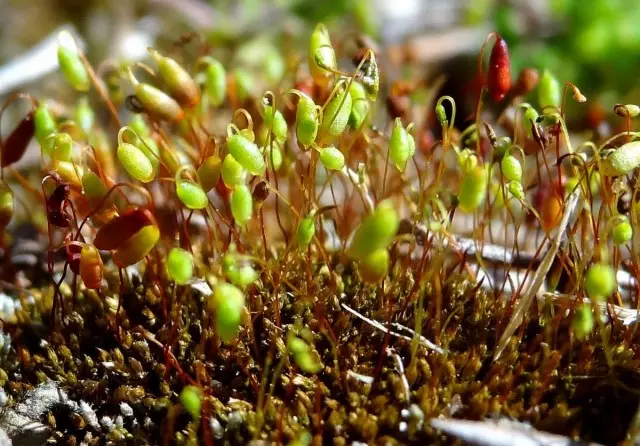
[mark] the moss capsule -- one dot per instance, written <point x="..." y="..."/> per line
<point x="62" y="149"/>
<point x="232" y="172"/>
<point x="93" y="187"/>
<point x="373" y="268"/>
<point x="228" y="303"/>
<point x="304" y="233"/>
<point x="375" y="232"/>
<point x="275" y="121"/>
<point x="549" y="91"/>
<point x="158" y="104"/>
<point x="215" y="82"/>
<point x="118" y="230"/>
<point x="499" y="75"/>
<point x="70" y="63"/>
<point x="627" y="110"/>
<point x="274" y="156"/>
<point x="307" y="121"/>
<point x="473" y="189"/>
<point x="84" y="114"/>
<point x="530" y="118"/>
<point x="247" y="154"/>
<point x="70" y="173"/>
<point x="303" y="355"/>
<point x="550" y="209"/>
<point x="15" y="144"/>
<point x="241" y="204"/>
<point x="622" y="160"/>
<point x="622" y="232"/>
<point x="600" y="281"/>
<point x="511" y="168"/>
<point x="137" y="246"/>
<point x="515" y="188"/>
<point x="191" y="400"/>
<point x="400" y="148"/>
<point x="135" y="162"/>
<point x="178" y="82"/>
<point x="336" y="113"/>
<point x="6" y="205"/>
<point x="91" y="267"/>
<point x="242" y="276"/>
<point x="244" y="84"/>
<point x="209" y="172"/>
<point x="180" y="265"/>
<point x="191" y="194"/>
<point x="582" y="324"/>
<point x="360" y="108"/>
<point x="331" y="158"/>
<point x="45" y="124"/>
<point x="322" y="57"/>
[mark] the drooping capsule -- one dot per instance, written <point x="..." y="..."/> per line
<point x="322" y="57"/>
<point x="233" y="174"/>
<point x="401" y="148"/>
<point x="117" y="231"/>
<point x="304" y="233"/>
<point x="375" y="232"/>
<point x="137" y="246"/>
<point x="228" y="302"/>
<point x="549" y="91"/>
<point x="373" y="268"/>
<point x="473" y="189"/>
<point x="44" y="123"/>
<point x="622" y="160"/>
<point x="331" y="158"/>
<point x="180" y="265"/>
<point x="274" y="121"/>
<point x="215" y="82"/>
<point x="135" y="162"/>
<point x="360" y="107"/>
<point x="15" y="145"/>
<point x="241" y="204"/>
<point x="336" y="113"/>
<point x="307" y="121"/>
<point x="91" y="267"/>
<point x="209" y="172"/>
<point x="247" y="154"/>
<point x="499" y="75"/>
<point x="70" y="63"/>
<point x="191" y="194"/>
<point x="155" y="102"/>
<point x="177" y="80"/>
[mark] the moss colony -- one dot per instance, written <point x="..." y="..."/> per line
<point x="287" y="254"/>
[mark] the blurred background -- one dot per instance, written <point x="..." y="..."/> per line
<point x="594" y="43"/>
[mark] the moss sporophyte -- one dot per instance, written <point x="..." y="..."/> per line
<point x="258" y="242"/>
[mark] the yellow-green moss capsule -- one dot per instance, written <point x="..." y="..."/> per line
<point x="549" y="91"/>
<point x="93" y="187"/>
<point x="530" y="118"/>
<point x="331" y="158"/>
<point x="242" y="276"/>
<point x="84" y="115"/>
<point x="400" y="148"/>
<point x="600" y="281"/>
<point x="276" y="123"/>
<point x="360" y="108"/>
<point x="303" y="355"/>
<point x="304" y="233"/>
<point x="209" y="172"/>
<point x="158" y="104"/>
<point x="375" y="232"/>
<point x="180" y="265"/>
<point x="241" y="204"/>
<point x="178" y="82"/>
<point x="44" y="123"/>
<point x="135" y="162"/>
<point x="232" y="172"/>
<point x="62" y="147"/>
<point x="321" y="56"/>
<point x="336" y="113"/>
<point x="622" y="232"/>
<point x="511" y="168"/>
<point x="6" y="205"/>
<point x="137" y="246"/>
<point x="516" y="189"/>
<point x="473" y="189"/>
<point x="191" y="194"/>
<point x="274" y="156"/>
<point x="244" y="84"/>
<point x="215" y="82"/>
<point x="70" y="63"/>
<point x="247" y="154"/>
<point x="622" y="160"/>
<point x="373" y="268"/>
<point x="582" y="324"/>
<point x="307" y="121"/>
<point x="191" y="400"/>
<point x="228" y="303"/>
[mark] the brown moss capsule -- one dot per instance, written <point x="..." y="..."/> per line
<point x="626" y="110"/>
<point x="117" y="231"/>
<point x="14" y="147"/>
<point x="179" y="83"/>
<point x="499" y="76"/>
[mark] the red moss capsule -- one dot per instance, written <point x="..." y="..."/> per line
<point x="16" y="144"/>
<point x="116" y="232"/>
<point x="91" y="269"/>
<point x="499" y="76"/>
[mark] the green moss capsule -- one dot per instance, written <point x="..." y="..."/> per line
<point x="84" y="115"/>
<point x="158" y="104"/>
<point x="191" y="400"/>
<point x="511" y="168"/>
<point x="45" y="124"/>
<point x="622" y="160"/>
<point x="232" y="172"/>
<point x="304" y="233"/>
<point x="336" y="113"/>
<point x="275" y="121"/>
<point x="600" y="281"/>
<point x="375" y="232"/>
<point x="307" y="121"/>
<point x="242" y="276"/>
<point x="228" y="303"/>
<point x="180" y="265"/>
<point x="247" y="154"/>
<point x="321" y="56"/>
<point x="530" y="118"/>
<point x="549" y="91"/>
<point x="303" y="355"/>
<point x="374" y="267"/>
<point x="515" y="188"/>
<point x="137" y="246"/>
<point x="360" y="108"/>
<point x="135" y="162"/>
<point x="274" y="156"/>
<point x="215" y="82"/>
<point x="209" y="172"/>
<point x="401" y="146"/>
<point x="473" y="189"/>
<point x="178" y="82"/>
<point x="6" y="205"/>
<point x="62" y="149"/>
<point x="244" y="84"/>
<point x="191" y="194"/>
<point x="331" y="158"/>
<point x="622" y="232"/>
<point x="70" y="63"/>
<point x="241" y="204"/>
<point x="93" y="187"/>
<point x="582" y="324"/>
